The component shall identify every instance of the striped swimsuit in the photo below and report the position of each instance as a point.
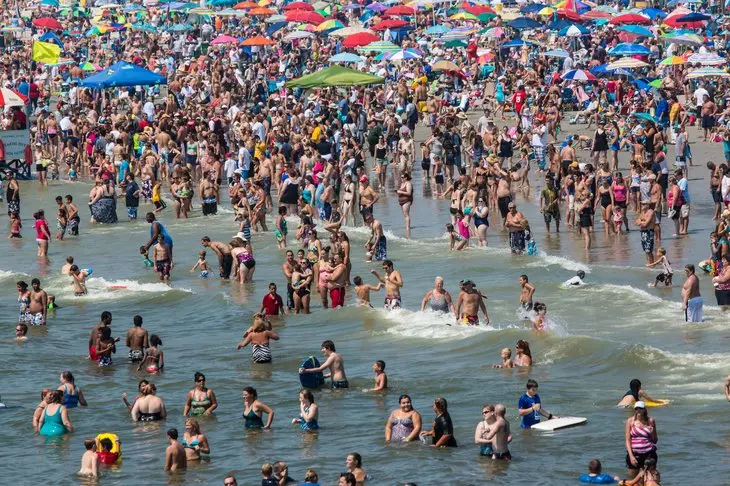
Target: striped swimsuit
(261, 353)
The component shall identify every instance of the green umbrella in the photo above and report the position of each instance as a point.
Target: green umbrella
(455, 43)
(335, 76)
(486, 17)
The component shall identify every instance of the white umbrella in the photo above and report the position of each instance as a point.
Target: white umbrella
(708, 59)
(708, 72)
(627, 63)
(346, 31)
(298, 34)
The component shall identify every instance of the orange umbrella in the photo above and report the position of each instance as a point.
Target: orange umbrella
(258, 41)
(245, 5)
(261, 11)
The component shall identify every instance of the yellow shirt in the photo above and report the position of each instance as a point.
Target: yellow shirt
(316, 133)
(156, 192)
(260, 150)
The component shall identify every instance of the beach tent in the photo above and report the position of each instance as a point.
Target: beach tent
(123, 74)
(335, 76)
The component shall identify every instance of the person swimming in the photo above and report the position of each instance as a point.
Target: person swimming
(576, 281)
(634, 394)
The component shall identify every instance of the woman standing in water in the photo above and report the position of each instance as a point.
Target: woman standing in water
(308, 412)
(42, 234)
(103, 203)
(155, 357)
(641, 437)
(442, 432)
(523, 355)
(149, 407)
(72, 395)
(259, 337)
(404, 423)
(200, 400)
(438, 298)
(254, 410)
(194, 441)
(405, 199)
(54, 420)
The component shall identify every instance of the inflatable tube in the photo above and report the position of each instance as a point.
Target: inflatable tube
(147, 262)
(108, 457)
(311, 380)
(88, 271)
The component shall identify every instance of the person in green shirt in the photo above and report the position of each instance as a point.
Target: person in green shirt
(549, 206)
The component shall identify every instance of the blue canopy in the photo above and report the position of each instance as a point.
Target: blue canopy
(123, 74)
(636, 30)
(626, 49)
(517, 43)
(51, 37)
(522, 23)
(654, 13)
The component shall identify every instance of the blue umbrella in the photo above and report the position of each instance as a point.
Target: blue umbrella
(345, 57)
(564, 31)
(437, 29)
(636, 30)
(693, 17)
(557, 53)
(558, 24)
(49, 3)
(644, 116)
(602, 71)
(517, 43)
(51, 37)
(626, 49)
(532, 8)
(653, 13)
(180, 28)
(523, 23)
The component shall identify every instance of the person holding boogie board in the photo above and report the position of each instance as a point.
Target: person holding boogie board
(334, 363)
(530, 407)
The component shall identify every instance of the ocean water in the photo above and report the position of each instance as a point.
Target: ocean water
(601, 336)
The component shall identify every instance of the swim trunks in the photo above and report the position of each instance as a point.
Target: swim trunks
(486, 450)
(210, 206)
(132, 213)
(204, 274)
(392, 302)
(337, 296)
(340, 384)
(136, 355)
(163, 267)
(504, 456)
(469, 320)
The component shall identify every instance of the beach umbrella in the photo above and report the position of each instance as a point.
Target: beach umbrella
(556, 53)
(630, 18)
(380, 46)
(578, 75)
(224, 39)
(345, 57)
(358, 40)
(597, 14)
(330, 24)
(625, 49)
(180, 28)
(564, 13)
(263, 12)
(400, 10)
(444, 65)
(683, 39)
(657, 83)
(437, 29)
(9, 97)
(477, 9)
(298, 34)
(636, 30)
(348, 31)
(708, 72)
(486, 58)
(517, 43)
(455, 43)
(48, 23)
(377, 7)
(672, 61)
(201, 11)
(675, 22)
(298, 6)
(486, 17)
(405, 54)
(627, 63)
(653, 13)
(389, 24)
(709, 59)
(574, 31)
(49, 3)
(246, 5)
(494, 32)
(532, 8)
(304, 16)
(645, 116)
(222, 3)
(257, 41)
(524, 23)
(693, 17)
(87, 66)
(465, 16)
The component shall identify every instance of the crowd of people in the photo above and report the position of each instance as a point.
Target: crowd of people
(492, 88)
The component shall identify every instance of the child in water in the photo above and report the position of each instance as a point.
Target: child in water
(618, 219)
(281, 231)
(649, 476)
(667, 273)
(381, 379)
(362, 291)
(90, 460)
(456, 240)
(145, 257)
(201, 264)
(15, 226)
(506, 355)
(540, 321)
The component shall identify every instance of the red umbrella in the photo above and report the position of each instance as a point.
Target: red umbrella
(298, 6)
(596, 14)
(9, 97)
(48, 23)
(477, 9)
(564, 13)
(400, 10)
(304, 16)
(389, 24)
(675, 23)
(630, 18)
(361, 39)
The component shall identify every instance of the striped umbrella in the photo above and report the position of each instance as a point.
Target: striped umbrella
(672, 61)
(627, 63)
(380, 46)
(405, 54)
(8, 97)
(578, 75)
(709, 59)
(708, 72)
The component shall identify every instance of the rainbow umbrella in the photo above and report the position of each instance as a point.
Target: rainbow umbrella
(672, 61)
(330, 24)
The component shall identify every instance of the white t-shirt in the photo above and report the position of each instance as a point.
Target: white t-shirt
(539, 136)
(699, 94)
(573, 282)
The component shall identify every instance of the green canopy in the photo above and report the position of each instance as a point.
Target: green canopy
(335, 76)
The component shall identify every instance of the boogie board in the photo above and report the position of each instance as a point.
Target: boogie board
(559, 423)
(658, 403)
(311, 380)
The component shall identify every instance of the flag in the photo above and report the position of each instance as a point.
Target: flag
(46, 52)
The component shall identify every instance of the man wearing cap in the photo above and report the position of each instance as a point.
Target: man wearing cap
(468, 305)
(368, 197)
(517, 227)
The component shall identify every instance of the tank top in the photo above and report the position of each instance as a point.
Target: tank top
(619, 192)
(640, 435)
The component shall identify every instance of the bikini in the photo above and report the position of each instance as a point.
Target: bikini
(246, 258)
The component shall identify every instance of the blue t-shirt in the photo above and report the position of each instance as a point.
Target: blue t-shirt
(123, 169)
(726, 145)
(526, 401)
(684, 187)
(597, 479)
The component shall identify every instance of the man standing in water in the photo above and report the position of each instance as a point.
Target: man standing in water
(469, 304)
(338, 281)
(223, 251)
(156, 229)
(288, 268)
(549, 204)
(516, 224)
(368, 197)
(393, 281)
(38, 308)
(334, 363)
(175, 453)
(499, 434)
(377, 245)
(691, 299)
(208, 194)
(137, 340)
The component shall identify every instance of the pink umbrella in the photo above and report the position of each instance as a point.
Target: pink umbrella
(224, 39)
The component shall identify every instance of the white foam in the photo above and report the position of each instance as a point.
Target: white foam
(101, 289)
(566, 263)
(7, 274)
(428, 325)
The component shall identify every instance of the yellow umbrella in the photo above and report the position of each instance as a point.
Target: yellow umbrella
(627, 63)
(546, 11)
(463, 16)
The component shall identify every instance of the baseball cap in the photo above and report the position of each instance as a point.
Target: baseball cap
(639, 404)
(364, 179)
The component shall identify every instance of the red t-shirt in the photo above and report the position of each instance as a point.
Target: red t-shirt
(108, 458)
(272, 304)
(520, 97)
(39, 225)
